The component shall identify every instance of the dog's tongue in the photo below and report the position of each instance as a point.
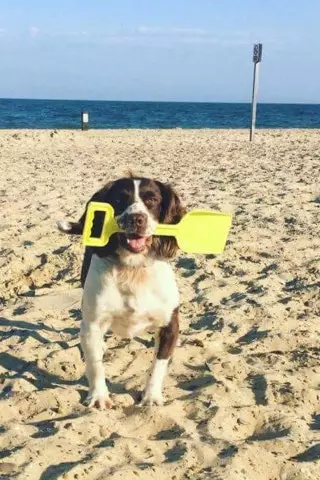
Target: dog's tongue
(137, 243)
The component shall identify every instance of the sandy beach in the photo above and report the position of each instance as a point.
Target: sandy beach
(243, 392)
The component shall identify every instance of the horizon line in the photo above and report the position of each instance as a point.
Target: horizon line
(154, 101)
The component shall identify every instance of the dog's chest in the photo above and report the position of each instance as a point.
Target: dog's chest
(132, 301)
(135, 312)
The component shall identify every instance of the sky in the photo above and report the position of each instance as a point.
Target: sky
(159, 50)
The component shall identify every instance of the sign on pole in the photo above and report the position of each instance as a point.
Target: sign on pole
(84, 120)
(257, 57)
(257, 52)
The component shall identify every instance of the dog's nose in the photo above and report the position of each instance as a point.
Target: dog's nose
(139, 219)
(134, 223)
(138, 222)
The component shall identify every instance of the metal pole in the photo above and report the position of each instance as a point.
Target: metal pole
(254, 100)
(257, 56)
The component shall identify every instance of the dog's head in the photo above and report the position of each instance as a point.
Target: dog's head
(139, 205)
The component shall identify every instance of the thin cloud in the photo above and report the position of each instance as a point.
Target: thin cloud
(188, 31)
(34, 32)
(212, 40)
(190, 36)
(70, 34)
(155, 36)
(171, 40)
(119, 40)
(169, 31)
(150, 30)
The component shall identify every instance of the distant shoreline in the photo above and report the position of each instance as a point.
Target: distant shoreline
(141, 130)
(211, 102)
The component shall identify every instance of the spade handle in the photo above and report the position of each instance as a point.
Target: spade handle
(167, 230)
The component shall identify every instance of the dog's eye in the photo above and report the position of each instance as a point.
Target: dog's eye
(122, 198)
(149, 198)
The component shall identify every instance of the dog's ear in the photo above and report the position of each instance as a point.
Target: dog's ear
(76, 228)
(171, 209)
(171, 212)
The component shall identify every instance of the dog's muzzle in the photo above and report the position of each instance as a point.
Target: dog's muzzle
(135, 227)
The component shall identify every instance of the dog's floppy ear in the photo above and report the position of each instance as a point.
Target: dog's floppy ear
(171, 213)
(76, 228)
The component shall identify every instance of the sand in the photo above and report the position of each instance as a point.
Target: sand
(243, 393)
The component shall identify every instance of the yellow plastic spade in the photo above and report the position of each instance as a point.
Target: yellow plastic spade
(199, 231)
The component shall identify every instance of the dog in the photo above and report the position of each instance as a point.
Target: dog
(128, 285)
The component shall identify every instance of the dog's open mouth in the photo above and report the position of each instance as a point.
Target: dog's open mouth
(135, 243)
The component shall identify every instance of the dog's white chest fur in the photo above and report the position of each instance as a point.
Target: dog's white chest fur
(129, 300)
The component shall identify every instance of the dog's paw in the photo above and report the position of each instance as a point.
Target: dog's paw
(150, 398)
(99, 400)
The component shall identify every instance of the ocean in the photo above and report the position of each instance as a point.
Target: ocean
(52, 114)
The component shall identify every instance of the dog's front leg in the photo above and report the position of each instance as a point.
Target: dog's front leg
(165, 343)
(92, 345)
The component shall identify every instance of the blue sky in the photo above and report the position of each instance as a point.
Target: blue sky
(180, 50)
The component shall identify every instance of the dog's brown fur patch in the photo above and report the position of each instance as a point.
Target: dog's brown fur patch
(131, 278)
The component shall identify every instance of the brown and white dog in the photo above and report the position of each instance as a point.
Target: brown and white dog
(129, 286)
